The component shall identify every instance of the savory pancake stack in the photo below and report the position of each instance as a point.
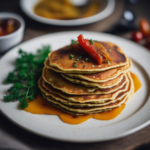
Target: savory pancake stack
(75, 83)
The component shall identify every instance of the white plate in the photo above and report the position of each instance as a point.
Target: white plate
(107, 8)
(133, 118)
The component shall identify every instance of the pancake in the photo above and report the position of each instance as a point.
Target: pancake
(95, 77)
(103, 76)
(96, 110)
(80, 105)
(99, 98)
(106, 84)
(88, 104)
(58, 82)
(92, 112)
(80, 109)
(62, 107)
(60, 59)
(75, 83)
(86, 110)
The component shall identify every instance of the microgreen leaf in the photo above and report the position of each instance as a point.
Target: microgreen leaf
(28, 69)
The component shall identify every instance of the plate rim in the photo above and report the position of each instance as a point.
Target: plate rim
(118, 136)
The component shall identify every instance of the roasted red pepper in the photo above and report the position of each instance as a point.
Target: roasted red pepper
(94, 49)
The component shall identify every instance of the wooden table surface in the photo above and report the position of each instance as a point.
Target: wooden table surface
(14, 137)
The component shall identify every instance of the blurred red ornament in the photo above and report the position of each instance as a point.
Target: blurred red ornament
(137, 36)
(145, 28)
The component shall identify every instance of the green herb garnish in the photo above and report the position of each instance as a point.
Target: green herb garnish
(77, 59)
(75, 62)
(28, 69)
(92, 65)
(84, 66)
(83, 61)
(86, 59)
(68, 46)
(108, 62)
(71, 56)
(74, 66)
(74, 42)
(91, 41)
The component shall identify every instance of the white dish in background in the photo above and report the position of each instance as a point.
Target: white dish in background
(13, 38)
(134, 117)
(107, 8)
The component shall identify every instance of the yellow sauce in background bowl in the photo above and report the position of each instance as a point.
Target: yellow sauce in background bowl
(65, 10)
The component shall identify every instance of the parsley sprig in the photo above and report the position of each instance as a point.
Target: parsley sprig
(74, 42)
(28, 69)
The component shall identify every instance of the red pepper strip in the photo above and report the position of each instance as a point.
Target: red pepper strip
(102, 52)
(96, 50)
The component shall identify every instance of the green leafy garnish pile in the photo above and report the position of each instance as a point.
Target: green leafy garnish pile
(28, 69)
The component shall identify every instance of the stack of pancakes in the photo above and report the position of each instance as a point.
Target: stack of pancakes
(78, 85)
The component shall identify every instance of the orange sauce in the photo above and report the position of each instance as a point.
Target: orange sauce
(65, 10)
(137, 83)
(40, 106)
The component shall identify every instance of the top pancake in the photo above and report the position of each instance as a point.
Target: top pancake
(60, 59)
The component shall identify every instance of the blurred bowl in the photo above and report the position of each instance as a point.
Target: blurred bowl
(107, 7)
(12, 39)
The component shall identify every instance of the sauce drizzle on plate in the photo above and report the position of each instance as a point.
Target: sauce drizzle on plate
(40, 106)
(137, 83)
